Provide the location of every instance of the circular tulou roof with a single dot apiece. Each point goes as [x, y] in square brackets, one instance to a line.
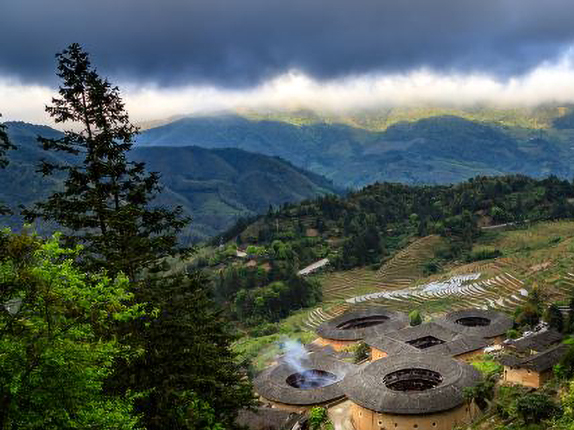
[498, 323]
[367, 386]
[332, 329]
[272, 382]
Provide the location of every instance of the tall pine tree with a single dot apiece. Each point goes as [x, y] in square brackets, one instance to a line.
[106, 199]
[187, 367]
[188, 359]
[5, 146]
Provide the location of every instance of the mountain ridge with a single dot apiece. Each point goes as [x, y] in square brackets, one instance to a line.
[433, 150]
[215, 187]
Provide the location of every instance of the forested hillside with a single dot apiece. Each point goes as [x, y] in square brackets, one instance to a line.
[430, 150]
[214, 187]
[367, 228]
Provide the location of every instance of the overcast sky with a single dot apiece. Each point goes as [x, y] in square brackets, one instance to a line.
[189, 56]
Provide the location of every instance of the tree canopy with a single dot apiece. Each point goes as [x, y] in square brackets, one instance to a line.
[55, 347]
[106, 200]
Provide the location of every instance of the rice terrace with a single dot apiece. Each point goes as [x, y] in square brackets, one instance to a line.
[537, 253]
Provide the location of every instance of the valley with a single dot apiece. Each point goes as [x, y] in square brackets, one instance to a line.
[215, 187]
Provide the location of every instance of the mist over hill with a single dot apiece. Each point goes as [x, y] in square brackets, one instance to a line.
[410, 146]
[214, 187]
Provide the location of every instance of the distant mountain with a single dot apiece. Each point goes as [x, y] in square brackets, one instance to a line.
[433, 150]
[379, 119]
[215, 187]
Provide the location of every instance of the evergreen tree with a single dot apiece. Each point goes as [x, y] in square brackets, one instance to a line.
[570, 321]
[106, 199]
[554, 317]
[188, 359]
[5, 146]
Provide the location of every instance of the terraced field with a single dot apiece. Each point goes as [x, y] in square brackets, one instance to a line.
[398, 273]
[542, 253]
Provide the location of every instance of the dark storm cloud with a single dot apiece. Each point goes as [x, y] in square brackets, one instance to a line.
[241, 42]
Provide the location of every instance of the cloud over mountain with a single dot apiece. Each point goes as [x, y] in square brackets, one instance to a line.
[243, 43]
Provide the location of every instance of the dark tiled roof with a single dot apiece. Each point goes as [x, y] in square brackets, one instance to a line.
[268, 419]
[272, 382]
[499, 324]
[539, 362]
[367, 388]
[390, 346]
[460, 345]
[454, 343]
[538, 341]
[331, 330]
[423, 330]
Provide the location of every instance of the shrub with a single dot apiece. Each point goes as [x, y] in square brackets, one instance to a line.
[483, 253]
[361, 351]
[535, 407]
[317, 417]
[415, 318]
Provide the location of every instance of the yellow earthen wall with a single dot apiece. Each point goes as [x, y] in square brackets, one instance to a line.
[469, 356]
[526, 377]
[365, 419]
[377, 354]
[338, 345]
[496, 340]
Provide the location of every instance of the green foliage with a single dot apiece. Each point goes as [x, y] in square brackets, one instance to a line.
[256, 295]
[505, 401]
[570, 321]
[415, 318]
[483, 253]
[554, 318]
[483, 392]
[188, 361]
[106, 199]
[535, 407]
[255, 250]
[5, 146]
[275, 300]
[566, 421]
[216, 187]
[565, 369]
[529, 314]
[366, 226]
[318, 419]
[512, 334]
[54, 339]
[361, 351]
[487, 366]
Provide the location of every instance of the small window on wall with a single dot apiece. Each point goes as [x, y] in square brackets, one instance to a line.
[434, 424]
[380, 423]
[395, 424]
[416, 426]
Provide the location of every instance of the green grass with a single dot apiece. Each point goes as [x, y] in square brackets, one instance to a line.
[263, 350]
[486, 365]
